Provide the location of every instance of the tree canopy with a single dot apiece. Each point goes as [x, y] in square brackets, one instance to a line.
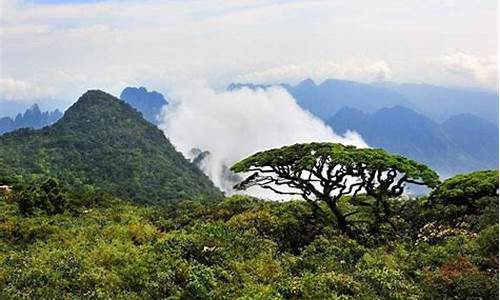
[325, 172]
[464, 189]
[58, 242]
[48, 196]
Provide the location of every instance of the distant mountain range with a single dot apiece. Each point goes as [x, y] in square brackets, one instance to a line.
[452, 130]
[31, 118]
[103, 142]
[146, 102]
[325, 99]
[462, 143]
[438, 103]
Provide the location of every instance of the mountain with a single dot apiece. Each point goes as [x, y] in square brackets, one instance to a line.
[440, 103]
[476, 136]
[10, 108]
[449, 147]
[451, 129]
[325, 99]
[104, 142]
[225, 179]
[32, 118]
[436, 102]
[148, 103]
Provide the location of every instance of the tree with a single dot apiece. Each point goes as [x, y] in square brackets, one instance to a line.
[48, 196]
[325, 172]
[466, 189]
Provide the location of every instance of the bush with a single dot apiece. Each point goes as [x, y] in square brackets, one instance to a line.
[460, 280]
[243, 248]
[48, 196]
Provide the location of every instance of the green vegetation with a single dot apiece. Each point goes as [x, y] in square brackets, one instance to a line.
[96, 246]
[68, 229]
[103, 143]
[327, 172]
[465, 189]
[47, 196]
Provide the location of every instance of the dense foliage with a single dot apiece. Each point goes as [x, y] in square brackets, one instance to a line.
[99, 247]
[47, 196]
[66, 233]
[327, 172]
[464, 189]
[101, 142]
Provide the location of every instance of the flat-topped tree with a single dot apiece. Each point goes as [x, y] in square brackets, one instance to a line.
[325, 172]
[466, 189]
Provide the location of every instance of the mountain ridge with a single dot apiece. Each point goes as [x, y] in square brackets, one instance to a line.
[149, 103]
[103, 142]
[33, 117]
[443, 146]
[437, 102]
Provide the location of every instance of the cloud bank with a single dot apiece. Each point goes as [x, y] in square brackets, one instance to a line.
[19, 90]
[73, 46]
[234, 124]
[482, 70]
[360, 69]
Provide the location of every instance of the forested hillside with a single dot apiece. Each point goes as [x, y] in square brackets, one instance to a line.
[99, 205]
[98, 247]
[249, 150]
[102, 142]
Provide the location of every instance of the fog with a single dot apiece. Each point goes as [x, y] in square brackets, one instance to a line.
[234, 124]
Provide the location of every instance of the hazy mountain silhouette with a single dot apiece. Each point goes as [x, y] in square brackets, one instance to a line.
[31, 118]
[436, 102]
[148, 103]
[450, 147]
[440, 103]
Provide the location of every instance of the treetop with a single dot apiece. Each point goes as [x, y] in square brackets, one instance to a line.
[466, 187]
[299, 157]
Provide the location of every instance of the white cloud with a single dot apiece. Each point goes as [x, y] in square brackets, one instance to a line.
[20, 91]
[101, 43]
[482, 70]
[234, 124]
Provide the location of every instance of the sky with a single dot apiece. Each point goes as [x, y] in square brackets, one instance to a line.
[53, 50]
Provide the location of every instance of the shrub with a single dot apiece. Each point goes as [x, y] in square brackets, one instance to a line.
[460, 280]
[48, 196]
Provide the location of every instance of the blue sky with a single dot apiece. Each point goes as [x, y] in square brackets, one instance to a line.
[54, 49]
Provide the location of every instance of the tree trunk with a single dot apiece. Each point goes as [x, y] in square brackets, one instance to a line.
[341, 219]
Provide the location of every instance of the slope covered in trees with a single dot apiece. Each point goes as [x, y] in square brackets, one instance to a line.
[98, 247]
[66, 234]
[104, 143]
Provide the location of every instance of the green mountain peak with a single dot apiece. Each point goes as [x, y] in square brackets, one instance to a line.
[103, 142]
